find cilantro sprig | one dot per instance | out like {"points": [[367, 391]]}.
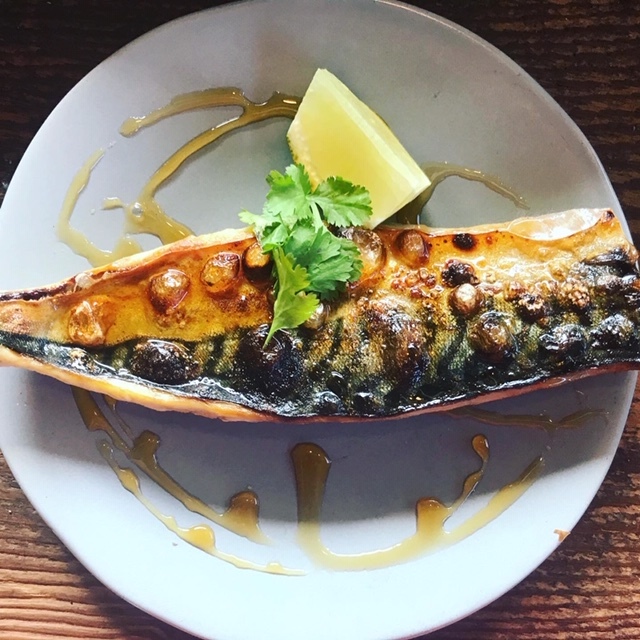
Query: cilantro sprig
{"points": [[310, 262]]}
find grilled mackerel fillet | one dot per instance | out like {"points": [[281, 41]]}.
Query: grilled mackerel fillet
{"points": [[439, 318]]}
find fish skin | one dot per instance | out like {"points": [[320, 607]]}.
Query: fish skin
{"points": [[439, 318]]}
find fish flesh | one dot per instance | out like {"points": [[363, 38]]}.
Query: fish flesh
{"points": [[438, 318]]}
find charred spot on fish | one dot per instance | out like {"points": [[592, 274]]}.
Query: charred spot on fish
{"points": [[426, 277], [220, 272], [168, 289], [464, 241], [622, 291], [612, 285], [337, 384], [366, 404], [513, 290], [327, 403], [37, 294], [618, 259], [413, 247], [532, 306], [630, 289], [372, 250], [455, 272], [565, 341], [271, 369], [164, 362], [614, 332], [257, 264], [402, 342], [466, 300], [492, 338]]}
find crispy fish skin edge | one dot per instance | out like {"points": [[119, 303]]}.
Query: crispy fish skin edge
{"points": [[158, 400], [166, 401]]}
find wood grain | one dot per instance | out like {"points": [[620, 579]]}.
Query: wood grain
{"points": [[586, 53]]}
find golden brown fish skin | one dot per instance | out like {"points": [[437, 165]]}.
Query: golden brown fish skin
{"points": [[125, 300], [438, 318]]}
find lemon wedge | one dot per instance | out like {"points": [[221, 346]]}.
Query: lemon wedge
{"points": [[336, 134]]}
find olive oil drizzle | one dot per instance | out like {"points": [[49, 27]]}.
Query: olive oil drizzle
{"points": [[570, 421], [145, 215], [241, 517], [74, 238], [311, 469], [200, 536], [438, 172], [311, 466], [210, 98]]}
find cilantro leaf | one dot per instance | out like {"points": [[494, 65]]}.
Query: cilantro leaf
{"points": [[289, 195], [256, 221], [311, 263], [293, 306], [343, 204], [331, 262]]}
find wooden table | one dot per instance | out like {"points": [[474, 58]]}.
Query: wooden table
{"points": [[586, 53]]}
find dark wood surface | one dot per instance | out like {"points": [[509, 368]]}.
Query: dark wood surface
{"points": [[586, 53]]}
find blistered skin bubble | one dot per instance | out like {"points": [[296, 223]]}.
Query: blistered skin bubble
{"points": [[85, 324], [413, 247], [257, 265], [168, 289], [491, 337], [466, 300], [318, 317], [575, 295], [328, 403], [274, 368], [164, 362], [403, 344], [614, 332], [372, 251], [564, 341], [221, 272]]}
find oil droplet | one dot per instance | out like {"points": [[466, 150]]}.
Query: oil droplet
{"points": [[112, 203]]}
